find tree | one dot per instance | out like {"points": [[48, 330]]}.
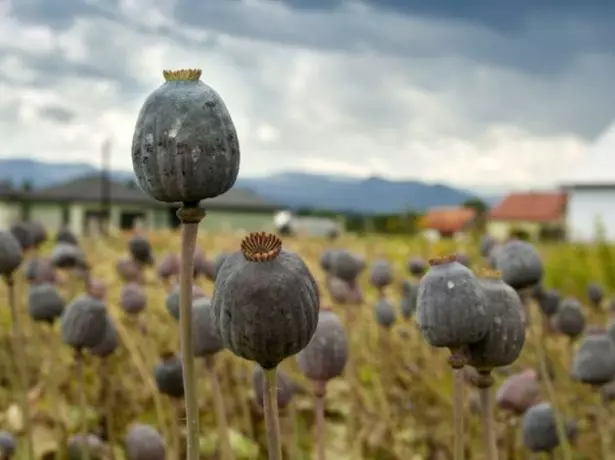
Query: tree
{"points": [[476, 203]]}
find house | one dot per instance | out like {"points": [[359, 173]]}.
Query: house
{"points": [[313, 226], [531, 215], [79, 204], [591, 192], [447, 222]]}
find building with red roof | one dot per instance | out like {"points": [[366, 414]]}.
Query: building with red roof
{"points": [[448, 221]]}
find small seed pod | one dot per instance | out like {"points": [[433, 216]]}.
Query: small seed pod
{"points": [[128, 270], [486, 244], [220, 258], [7, 445], [518, 392], [97, 289], [140, 250], [132, 299], [326, 355], [208, 270], [417, 267], [45, 304], [144, 442], [38, 233], [451, 309], [346, 266], [326, 259], [338, 289], [384, 312], [549, 302], [169, 376], [537, 291], [169, 266], [594, 360], [463, 259], [200, 263], [185, 147], [83, 322], [506, 335], [520, 264], [206, 340], [40, 270], [539, 430], [595, 294], [570, 319], [286, 387], [265, 301], [11, 254], [381, 274], [109, 341], [172, 301], [407, 306], [65, 235], [78, 443], [492, 258], [22, 233], [66, 256]]}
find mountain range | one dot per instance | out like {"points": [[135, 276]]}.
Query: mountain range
{"points": [[292, 190]]}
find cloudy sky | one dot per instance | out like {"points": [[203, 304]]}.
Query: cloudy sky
{"points": [[467, 93]]}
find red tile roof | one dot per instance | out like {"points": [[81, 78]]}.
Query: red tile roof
{"points": [[530, 206], [447, 220]]}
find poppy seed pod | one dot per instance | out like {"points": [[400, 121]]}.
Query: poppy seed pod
{"points": [[326, 259], [451, 309], [45, 304], [381, 274], [339, 290], [66, 256], [492, 257], [220, 258], [97, 289], [185, 147], [595, 294], [570, 319], [407, 306], [520, 264], [539, 430], [11, 254], [169, 266], [417, 267], [109, 342], [140, 250], [40, 270], [128, 270], [37, 232], [78, 443], [285, 387], [463, 259], [172, 300], [549, 302], [486, 244], [518, 392], [506, 335], [325, 357], [7, 445], [169, 376], [205, 338], [265, 301], [346, 266], [22, 233], [143, 442], [594, 360], [83, 322], [384, 312], [132, 299], [65, 235]]}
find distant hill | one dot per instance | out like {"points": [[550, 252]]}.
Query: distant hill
{"points": [[292, 190]]}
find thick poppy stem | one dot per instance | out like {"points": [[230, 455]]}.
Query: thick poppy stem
{"points": [[216, 393], [486, 403], [457, 361], [272, 416], [22, 377], [190, 215]]}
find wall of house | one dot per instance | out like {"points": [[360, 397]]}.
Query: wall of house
{"points": [[155, 218], [586, 210], [218, 220], [501, 229], [9, 214]]}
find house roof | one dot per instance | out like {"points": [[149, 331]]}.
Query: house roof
{"points": [[530, 206], [89, 189], [448, 220]]}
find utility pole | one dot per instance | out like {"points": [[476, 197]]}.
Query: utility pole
{"points": [[105, 184]]}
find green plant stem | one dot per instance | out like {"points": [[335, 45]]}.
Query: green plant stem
{"points": [[319, 409], [216, 393], [190, 216], [19, 353], [458, 450], [486, 403], [272, 416], [603, 427], [85, 451]]}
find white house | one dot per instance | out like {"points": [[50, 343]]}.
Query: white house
{"points": [[286, 222], [591, 192]]}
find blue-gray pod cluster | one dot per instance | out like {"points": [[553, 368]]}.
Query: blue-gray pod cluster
{"points": [[141, 250], [595, 294], [45, 304], [172, 300], [549, 302], [381, 274], [185, 147], [39, 270], [169, 376], [539, 429], [66, 235], [66, 256], [11, 254], [570, 319], [144, 442], [83, 322], [205, 338], [325, 357], [417, 267], [132, 299], [346, 266], [594, 360], [384, 312], [520, 264], [109, 342], [23, 235]]}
